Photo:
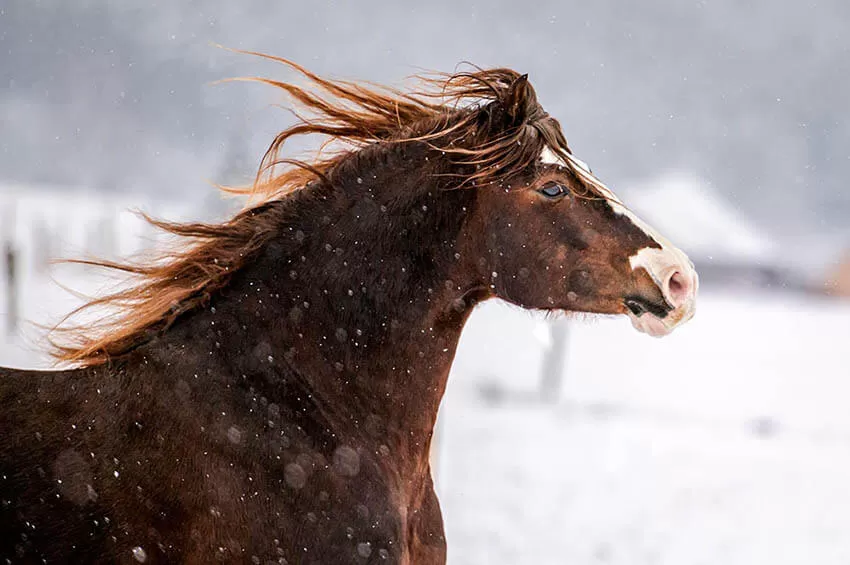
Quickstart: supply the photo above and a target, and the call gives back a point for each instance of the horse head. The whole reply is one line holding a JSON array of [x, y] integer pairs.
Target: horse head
[[548, 234]]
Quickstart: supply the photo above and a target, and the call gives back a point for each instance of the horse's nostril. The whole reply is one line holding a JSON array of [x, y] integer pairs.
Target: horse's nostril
[[678, 288]]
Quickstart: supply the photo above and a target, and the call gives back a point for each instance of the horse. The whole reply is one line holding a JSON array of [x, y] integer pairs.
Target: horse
[[266, 390]]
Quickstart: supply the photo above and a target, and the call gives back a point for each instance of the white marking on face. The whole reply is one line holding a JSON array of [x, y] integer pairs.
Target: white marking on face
[[661, 263], [550, 157]]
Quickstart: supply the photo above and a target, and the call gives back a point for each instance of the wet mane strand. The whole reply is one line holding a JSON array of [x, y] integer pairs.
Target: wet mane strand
[[488, 122]]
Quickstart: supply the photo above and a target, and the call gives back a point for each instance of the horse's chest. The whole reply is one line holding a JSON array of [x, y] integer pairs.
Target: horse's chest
[[300, 513]]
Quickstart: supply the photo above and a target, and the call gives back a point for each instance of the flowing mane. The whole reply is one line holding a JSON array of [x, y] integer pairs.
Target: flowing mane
[[489, 129]]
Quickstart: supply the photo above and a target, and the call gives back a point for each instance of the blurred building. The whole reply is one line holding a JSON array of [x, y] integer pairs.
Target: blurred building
[[727, 247]]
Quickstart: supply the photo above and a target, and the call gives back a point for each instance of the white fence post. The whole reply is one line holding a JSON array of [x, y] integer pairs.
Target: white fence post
[[11, 288], [554, 360], [10, 267]]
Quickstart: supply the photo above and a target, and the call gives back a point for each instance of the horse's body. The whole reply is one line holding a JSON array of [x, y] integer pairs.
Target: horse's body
[[287, 415], [285, 399]]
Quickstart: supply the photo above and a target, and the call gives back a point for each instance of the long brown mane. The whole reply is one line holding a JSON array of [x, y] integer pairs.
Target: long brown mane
[[488, 122]]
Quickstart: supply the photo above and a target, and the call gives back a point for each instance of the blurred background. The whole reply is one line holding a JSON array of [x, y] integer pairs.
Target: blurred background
[[567, 441]]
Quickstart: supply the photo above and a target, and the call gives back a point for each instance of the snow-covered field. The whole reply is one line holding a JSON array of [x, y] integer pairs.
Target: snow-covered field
[[727, 442]]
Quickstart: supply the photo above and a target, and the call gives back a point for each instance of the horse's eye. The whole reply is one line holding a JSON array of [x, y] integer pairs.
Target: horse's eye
[[553, 190]]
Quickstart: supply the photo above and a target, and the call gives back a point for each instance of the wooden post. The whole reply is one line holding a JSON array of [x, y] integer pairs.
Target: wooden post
[[10, 270], [554, 360], [11, 289]]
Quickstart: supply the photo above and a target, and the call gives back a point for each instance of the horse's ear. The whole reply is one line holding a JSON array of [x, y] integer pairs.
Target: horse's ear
[[518, 100]]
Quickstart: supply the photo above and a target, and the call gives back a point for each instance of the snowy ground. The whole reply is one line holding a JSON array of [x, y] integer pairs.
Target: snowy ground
[[727, 442]]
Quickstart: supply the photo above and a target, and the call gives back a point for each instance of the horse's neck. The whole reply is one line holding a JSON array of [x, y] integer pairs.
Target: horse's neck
[[366, 307]]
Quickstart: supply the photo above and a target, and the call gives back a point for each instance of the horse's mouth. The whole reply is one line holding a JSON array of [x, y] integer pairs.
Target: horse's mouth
[[654, 318], [638, 306]]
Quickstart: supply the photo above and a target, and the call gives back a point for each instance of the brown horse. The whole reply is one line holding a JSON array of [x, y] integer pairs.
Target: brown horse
[[267, 392]]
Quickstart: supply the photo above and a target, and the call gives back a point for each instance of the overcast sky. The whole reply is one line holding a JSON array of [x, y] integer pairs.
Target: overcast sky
[[751, 96]]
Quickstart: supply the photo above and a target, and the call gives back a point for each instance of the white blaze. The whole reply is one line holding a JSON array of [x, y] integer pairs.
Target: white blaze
[[659, 263]]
